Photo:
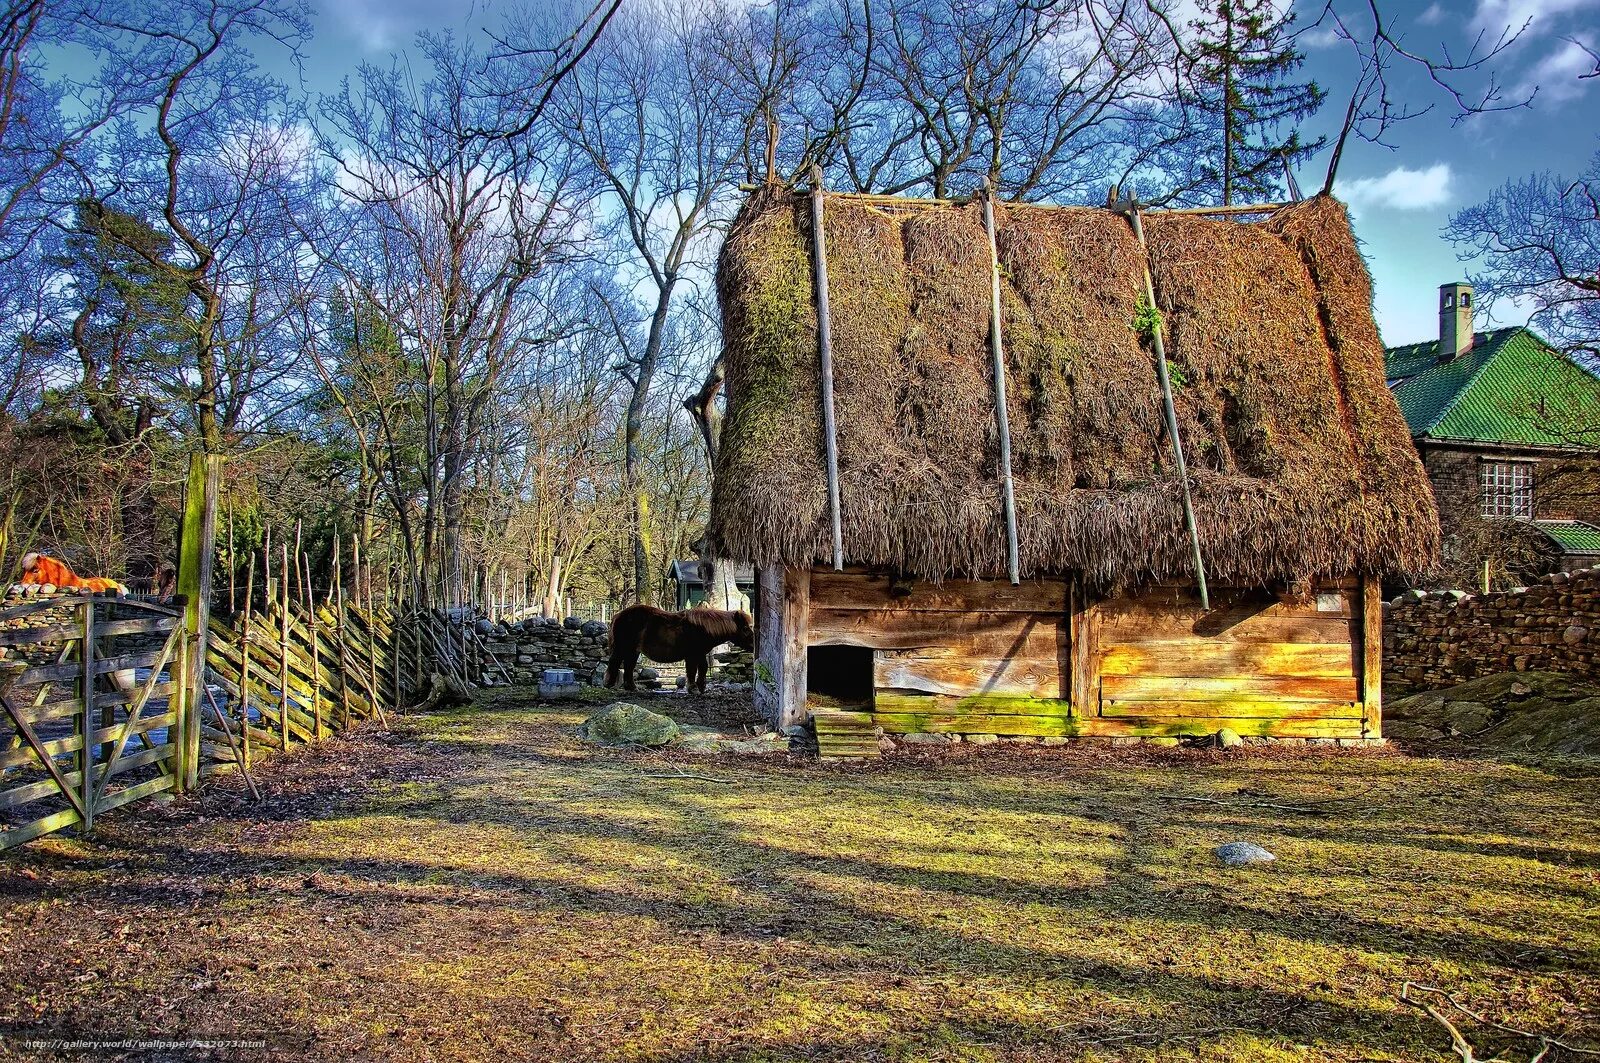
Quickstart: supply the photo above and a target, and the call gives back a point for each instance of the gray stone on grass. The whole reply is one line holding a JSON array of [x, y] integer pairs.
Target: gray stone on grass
[[1243, 854], [627, 724]]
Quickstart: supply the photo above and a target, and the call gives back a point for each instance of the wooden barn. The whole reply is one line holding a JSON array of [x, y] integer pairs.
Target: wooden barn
[[973, 530]]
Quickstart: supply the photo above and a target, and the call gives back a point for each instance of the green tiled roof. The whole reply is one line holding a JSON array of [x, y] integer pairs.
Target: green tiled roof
[[1511, 387], [1573, 536]]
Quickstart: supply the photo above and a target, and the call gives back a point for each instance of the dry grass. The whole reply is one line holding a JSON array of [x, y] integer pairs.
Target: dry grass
[[479, 886], [1302, 464]]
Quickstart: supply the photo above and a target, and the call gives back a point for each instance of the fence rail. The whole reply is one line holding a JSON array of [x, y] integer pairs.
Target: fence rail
[[90, 733], [101, 714]]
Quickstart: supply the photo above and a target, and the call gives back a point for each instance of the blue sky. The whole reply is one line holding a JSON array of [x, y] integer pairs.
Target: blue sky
[[1400, 198]]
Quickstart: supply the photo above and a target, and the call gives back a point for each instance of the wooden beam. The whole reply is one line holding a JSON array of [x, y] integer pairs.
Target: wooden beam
[[781, 635], [1132, 213], [819, 263], [1371, 658], [196, 546], [1084, 636], [1002, 416]]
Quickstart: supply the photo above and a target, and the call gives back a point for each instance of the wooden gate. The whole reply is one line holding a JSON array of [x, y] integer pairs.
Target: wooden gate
[[91, 695]]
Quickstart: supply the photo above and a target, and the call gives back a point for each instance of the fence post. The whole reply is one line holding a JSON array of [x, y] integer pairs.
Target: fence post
[[195, 547], [86, 690]]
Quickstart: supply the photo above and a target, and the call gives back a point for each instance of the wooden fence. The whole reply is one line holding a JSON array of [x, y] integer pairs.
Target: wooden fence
[[291, 675], [95, 693]]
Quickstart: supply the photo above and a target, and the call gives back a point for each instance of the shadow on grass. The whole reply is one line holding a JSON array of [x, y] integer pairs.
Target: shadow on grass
[[899, 873]]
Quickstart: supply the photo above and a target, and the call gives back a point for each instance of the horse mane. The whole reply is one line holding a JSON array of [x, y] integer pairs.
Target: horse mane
[[722, 623]]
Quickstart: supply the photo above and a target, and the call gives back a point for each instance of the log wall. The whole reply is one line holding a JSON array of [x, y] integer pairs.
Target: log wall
[[1041, 660]]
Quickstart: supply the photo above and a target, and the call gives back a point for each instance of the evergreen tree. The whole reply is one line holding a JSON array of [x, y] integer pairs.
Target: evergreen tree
[[1241, 64]]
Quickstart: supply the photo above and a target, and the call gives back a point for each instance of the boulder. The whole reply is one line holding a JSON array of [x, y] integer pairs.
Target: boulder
[[709, 741], [646, 674], [627, 724], [1228, 738], [593, 628], [572, 623], [1243, 854]]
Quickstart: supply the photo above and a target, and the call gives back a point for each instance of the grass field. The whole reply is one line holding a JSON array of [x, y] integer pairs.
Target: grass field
[[480, 886]]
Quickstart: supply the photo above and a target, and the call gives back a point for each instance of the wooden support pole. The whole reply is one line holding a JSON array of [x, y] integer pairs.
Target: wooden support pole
[[1130, 209], [1371, 657], [1002, 415], [830, 440], [781, 636]]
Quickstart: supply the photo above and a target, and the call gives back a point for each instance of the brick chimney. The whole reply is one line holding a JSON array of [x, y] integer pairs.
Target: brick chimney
[[1455, 320]]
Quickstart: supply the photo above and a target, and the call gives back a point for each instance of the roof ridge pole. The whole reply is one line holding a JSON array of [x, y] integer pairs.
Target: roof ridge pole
[[1002, 416], [1129, 208], [819, 264]]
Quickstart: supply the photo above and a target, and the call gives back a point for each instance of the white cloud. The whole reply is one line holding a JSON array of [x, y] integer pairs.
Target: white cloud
[[1432, 16], [380, 25], [1556, 76], [1321, 37], [1495, 15], [1400, 189]]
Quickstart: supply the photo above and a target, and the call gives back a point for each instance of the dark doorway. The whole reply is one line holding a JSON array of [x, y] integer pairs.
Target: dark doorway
[[839, 675]]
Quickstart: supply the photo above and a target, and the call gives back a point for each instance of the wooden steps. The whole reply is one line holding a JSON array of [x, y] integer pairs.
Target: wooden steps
[[845, 735]]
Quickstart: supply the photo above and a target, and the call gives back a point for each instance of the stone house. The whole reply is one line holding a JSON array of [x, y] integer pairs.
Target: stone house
[[1508, 428]]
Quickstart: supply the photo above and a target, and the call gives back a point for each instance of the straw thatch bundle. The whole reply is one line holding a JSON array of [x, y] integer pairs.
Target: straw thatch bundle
[[1300, 462]]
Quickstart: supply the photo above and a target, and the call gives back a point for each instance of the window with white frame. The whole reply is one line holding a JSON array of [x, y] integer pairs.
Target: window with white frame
[[1507, 489]]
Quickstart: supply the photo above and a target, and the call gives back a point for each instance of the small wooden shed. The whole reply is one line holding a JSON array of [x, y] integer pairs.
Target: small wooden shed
[[1034, 574]]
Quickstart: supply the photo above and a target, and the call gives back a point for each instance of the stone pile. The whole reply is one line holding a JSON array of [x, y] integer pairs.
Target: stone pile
[[1444, 638], [733, 665]]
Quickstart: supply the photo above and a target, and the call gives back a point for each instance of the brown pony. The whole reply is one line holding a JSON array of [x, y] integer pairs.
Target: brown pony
[[44, 569], [662, 636]]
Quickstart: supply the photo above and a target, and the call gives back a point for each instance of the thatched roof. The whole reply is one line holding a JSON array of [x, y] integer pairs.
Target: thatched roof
[[1300, 461]]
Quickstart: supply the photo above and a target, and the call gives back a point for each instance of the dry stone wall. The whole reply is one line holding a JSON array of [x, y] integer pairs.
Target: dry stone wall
[[528, 647], [1433, 640]]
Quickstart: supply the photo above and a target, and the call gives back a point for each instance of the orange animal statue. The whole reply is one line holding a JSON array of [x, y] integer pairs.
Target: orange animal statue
[[43, 569], [662, 636]]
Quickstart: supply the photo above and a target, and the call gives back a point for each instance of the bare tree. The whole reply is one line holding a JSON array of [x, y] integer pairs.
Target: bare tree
[[662, 136], [448, 233], [1537, 242]]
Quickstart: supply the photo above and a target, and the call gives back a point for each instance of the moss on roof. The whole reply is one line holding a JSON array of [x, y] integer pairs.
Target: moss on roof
[[1300, 461]]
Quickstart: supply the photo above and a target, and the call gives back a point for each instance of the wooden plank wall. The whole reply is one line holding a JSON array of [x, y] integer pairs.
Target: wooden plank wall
[[1036, 659], [1255, 664], [956, 657]]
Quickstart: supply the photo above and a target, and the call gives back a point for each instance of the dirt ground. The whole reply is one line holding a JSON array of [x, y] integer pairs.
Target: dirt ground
[[481, 886]]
